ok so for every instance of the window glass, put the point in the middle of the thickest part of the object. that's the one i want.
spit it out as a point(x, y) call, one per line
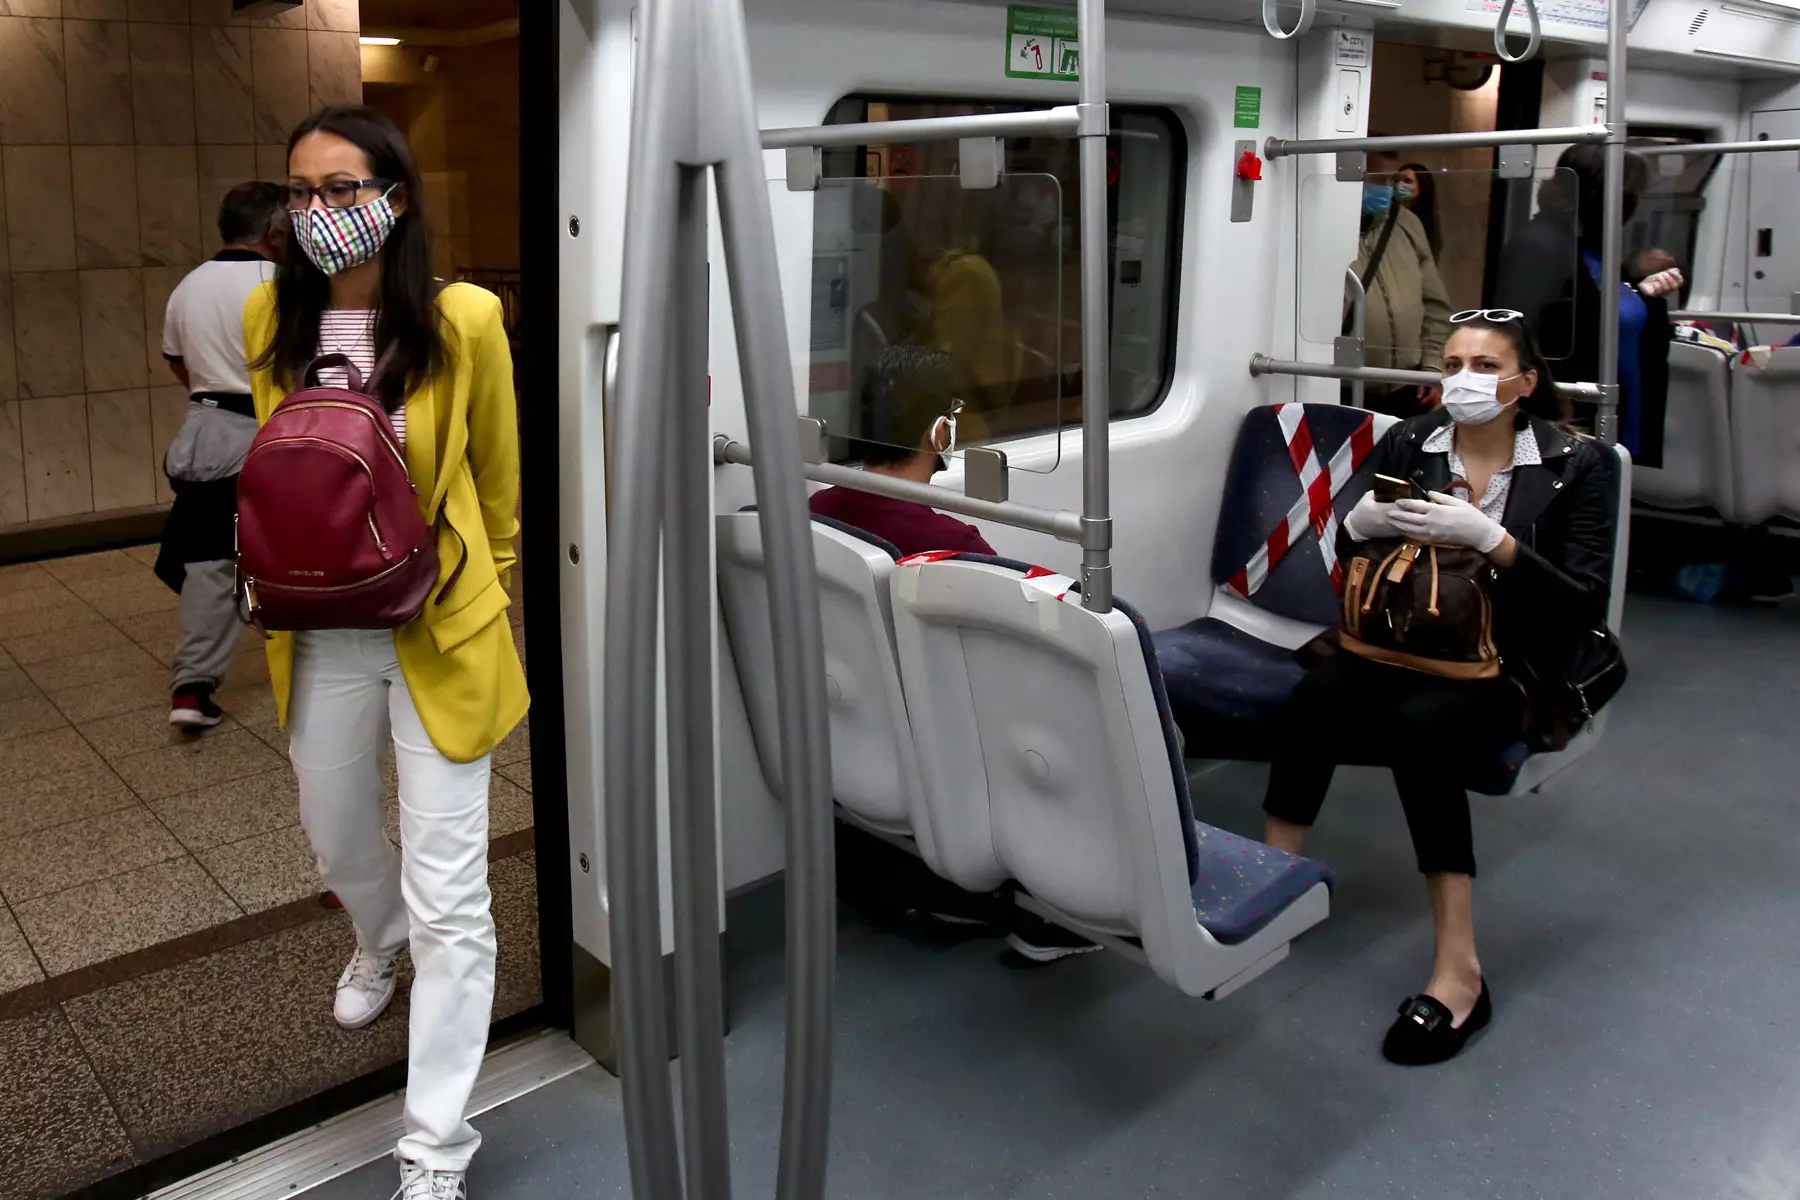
point(988, 282)
point(1409, 223)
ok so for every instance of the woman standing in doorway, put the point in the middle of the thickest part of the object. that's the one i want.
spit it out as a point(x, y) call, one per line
point(448, 686)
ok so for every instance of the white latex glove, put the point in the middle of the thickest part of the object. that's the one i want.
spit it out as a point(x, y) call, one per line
point(1447, 521)
point(1371, 519)
point(1662, 283)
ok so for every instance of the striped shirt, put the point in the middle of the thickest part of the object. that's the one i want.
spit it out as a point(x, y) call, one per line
point(351, 332)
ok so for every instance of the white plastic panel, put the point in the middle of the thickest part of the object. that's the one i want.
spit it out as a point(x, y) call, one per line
point(873, 765)
point(1696, 470)
point(1047, 765)
point(1765, 436)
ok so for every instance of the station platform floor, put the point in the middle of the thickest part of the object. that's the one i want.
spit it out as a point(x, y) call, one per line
point(166, 963)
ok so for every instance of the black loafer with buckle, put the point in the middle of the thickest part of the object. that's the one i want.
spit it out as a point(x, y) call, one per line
point(1423, 1034)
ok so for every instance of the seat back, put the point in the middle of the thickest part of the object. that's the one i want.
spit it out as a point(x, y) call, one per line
point(874, 768)
point(1765, 434)
point(1278, 447)
point(1696, 470)
point(1049, 754)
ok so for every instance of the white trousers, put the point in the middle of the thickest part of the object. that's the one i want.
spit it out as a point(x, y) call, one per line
point(348, 694)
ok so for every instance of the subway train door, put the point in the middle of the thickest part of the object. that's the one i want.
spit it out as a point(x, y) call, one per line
point(1772, 273)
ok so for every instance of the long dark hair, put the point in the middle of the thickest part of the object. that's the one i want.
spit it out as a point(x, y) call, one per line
point(1582, 191)
point(407, 326)
point(1424, 206)
point(1543, 401)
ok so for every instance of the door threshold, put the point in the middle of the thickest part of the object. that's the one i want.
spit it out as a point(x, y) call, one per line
point(316, 1156)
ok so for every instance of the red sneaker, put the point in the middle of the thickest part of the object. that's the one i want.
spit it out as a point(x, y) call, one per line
point(194, 709)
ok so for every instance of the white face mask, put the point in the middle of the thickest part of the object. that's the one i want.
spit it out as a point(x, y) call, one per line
point(1473, 399)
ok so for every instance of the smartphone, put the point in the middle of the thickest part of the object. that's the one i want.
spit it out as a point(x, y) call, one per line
point(1388, 489)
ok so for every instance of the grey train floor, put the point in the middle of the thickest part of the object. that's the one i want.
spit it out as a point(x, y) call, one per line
point(1636, 922)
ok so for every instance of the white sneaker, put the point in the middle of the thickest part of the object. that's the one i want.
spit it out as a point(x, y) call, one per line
point(365, 988)
point(422, 1183)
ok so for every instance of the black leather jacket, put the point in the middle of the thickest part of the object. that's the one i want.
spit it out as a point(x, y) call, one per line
point(1564, 513)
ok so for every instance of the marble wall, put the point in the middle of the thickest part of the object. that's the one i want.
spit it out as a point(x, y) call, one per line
point(122, 124)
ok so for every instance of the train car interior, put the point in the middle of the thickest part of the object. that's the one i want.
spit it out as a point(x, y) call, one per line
point(873, 869)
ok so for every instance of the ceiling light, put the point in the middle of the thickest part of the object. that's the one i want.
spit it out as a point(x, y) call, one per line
point(379, 41)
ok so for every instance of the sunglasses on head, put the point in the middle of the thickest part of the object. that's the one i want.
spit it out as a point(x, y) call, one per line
point(1487, 314)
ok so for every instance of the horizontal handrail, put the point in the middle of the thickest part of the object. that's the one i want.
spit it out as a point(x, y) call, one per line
point(1284, 147)
point(1064, 526)
point(1768, 147)
point(1262, 364)
point(1061, 121)
point(1738, 318)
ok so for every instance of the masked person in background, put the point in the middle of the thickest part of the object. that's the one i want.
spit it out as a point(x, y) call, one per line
point(203, 341)
point(913, 390)
point(1551, 270)
point(1408, 310)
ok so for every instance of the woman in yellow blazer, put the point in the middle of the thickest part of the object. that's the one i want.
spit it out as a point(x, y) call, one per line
point(356, 280)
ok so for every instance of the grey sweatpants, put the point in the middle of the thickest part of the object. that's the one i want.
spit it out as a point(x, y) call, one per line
point(209, 626)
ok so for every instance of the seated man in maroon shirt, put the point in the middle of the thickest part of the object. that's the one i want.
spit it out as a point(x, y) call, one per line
point(912, 390)
point(911, 396)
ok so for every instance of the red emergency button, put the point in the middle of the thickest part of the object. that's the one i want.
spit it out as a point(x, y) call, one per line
point(1249, 166)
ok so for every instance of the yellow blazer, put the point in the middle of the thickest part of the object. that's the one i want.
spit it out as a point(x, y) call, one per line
point(462, 451)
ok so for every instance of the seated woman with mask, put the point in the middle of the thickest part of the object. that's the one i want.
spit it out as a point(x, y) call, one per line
point(1498, 474)
point(911, 396)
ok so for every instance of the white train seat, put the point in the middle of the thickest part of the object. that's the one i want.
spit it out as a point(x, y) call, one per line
point(1049, 761)
point(1697, 468)
point(1765, 434)
point(1230, 674)
point(874, 767)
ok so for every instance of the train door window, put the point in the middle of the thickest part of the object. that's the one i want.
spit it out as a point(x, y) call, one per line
point(1407, 224)
point(980, 289)
point(1668, 216)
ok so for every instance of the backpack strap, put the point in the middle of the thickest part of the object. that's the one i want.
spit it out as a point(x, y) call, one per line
point(352, 374)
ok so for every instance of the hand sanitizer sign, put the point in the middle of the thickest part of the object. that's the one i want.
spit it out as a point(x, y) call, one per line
point(1042, 43)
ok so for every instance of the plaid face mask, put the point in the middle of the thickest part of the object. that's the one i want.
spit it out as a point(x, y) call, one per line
point(337, 239)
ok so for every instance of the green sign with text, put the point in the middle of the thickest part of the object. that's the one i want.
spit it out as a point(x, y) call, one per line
point(1042, 43)
point(1247, 114)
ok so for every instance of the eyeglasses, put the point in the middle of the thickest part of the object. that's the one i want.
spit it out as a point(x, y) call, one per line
point(1487, 314)
point(339, 193)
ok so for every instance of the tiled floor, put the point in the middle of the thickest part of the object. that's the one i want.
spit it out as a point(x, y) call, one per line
point(143, 870)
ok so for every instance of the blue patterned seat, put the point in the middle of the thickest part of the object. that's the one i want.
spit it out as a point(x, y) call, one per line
point(1241, 885)
point(1228, 688)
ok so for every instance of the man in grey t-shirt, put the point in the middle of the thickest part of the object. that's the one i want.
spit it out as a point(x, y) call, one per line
point(203, 341)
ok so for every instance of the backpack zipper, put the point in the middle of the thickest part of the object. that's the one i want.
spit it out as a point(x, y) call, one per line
point(336, 587)
point(386, 440)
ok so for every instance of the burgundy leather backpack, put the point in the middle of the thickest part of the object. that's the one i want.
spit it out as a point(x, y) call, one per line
point(329, 530)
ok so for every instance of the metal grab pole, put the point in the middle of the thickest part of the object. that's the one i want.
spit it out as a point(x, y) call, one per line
point(1359, 325)
point(1096, 277)
point(1612, 230)
point(688, 622)
point(633, 890)
point(753, 271)
point(1774, 146)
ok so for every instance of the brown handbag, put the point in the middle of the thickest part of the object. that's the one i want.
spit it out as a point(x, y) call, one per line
point(1422, 606)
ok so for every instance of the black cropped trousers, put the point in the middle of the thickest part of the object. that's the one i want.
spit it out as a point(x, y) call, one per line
point(1433, 732)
